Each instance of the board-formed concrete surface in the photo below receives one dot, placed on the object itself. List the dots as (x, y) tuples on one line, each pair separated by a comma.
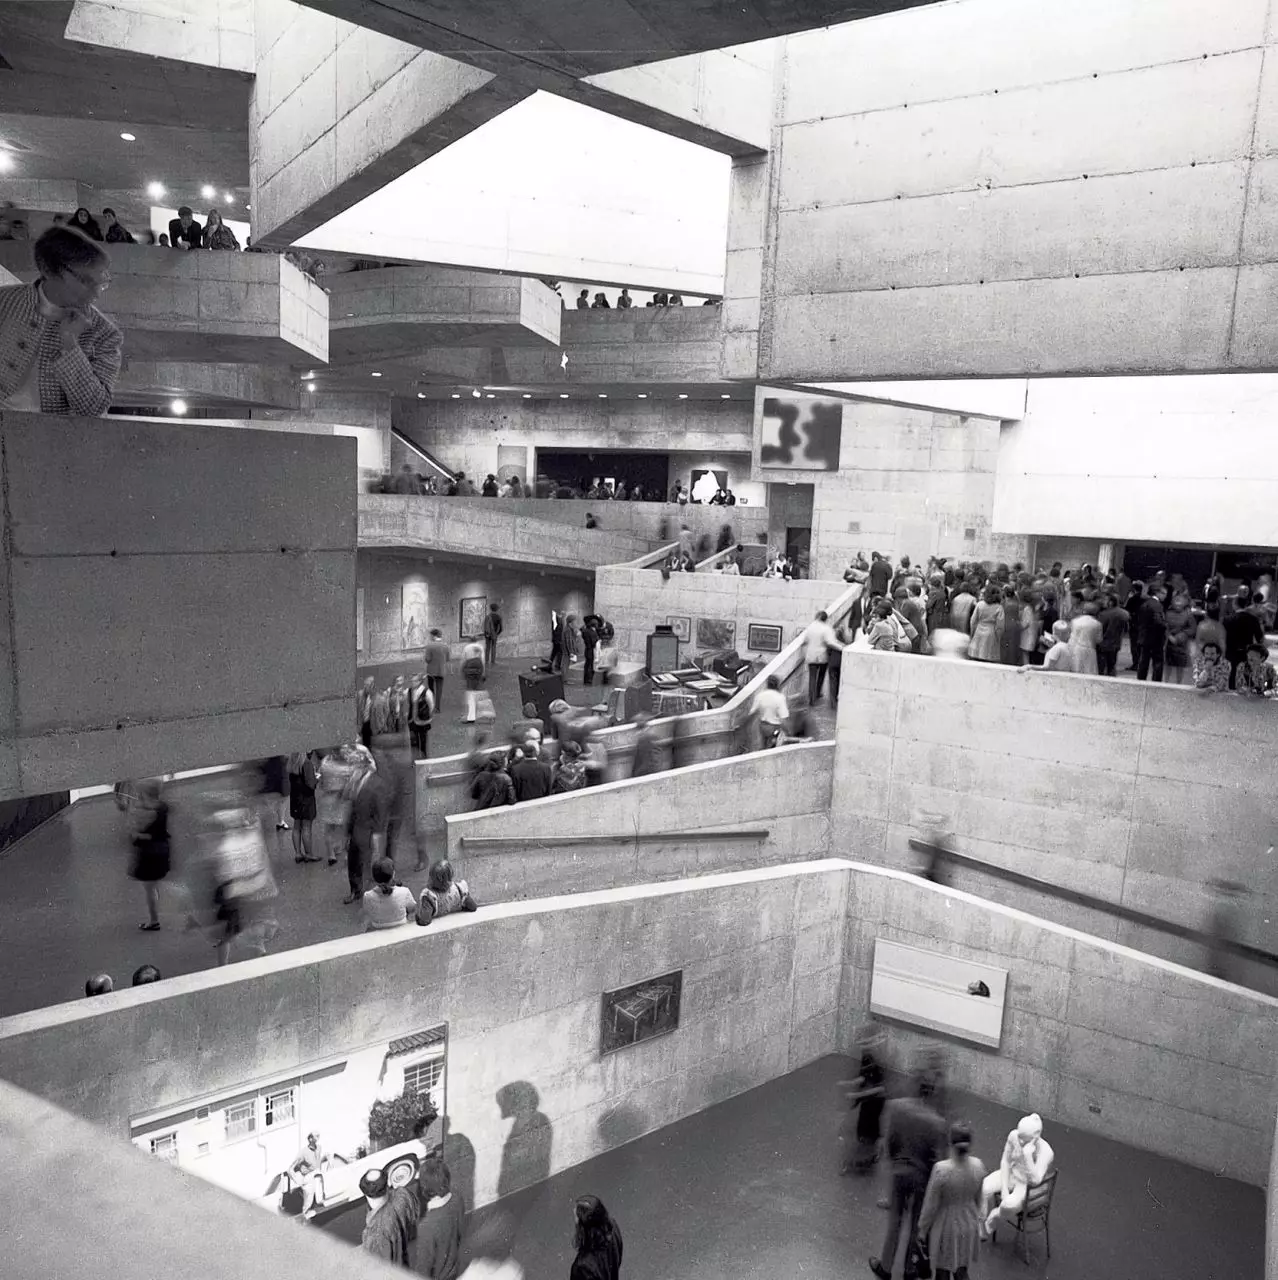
[(1050, 201), (155, 575), (1137, 793)]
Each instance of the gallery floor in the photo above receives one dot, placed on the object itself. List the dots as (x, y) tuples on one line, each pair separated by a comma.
[(749, 1190)]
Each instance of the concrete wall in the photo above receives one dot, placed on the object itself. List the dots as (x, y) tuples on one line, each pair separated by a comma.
[(338, 111), (786, 793), (1050, 201), (526, 597), (636, 600), (1095, 1036), (1136, 793), (1139, 459), (240, 307), (466, 434), (153, 580), (488, 527), (214, 35), (519, 986), (910, 481)]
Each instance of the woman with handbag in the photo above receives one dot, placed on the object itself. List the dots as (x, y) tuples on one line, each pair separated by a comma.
[(950, 1222), (302, 781)]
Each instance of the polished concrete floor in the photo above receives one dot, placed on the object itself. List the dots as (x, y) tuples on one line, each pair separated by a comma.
[(749, 1190), (68, 908)]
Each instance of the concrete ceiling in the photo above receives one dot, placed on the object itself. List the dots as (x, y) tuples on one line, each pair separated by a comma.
[(571, 38), (64, 105)]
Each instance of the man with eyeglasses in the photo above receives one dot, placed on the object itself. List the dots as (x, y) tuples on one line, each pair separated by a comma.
[(58, 353)]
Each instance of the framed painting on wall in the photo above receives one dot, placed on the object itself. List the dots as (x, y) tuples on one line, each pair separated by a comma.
[(682, 627), (716, 633), (798, 431), (470, 621), (412, 615), (763, 637), (639, 1012)]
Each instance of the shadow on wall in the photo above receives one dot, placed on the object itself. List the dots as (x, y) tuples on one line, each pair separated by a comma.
[(459, 1156), (525, 1157), (622, 1124)]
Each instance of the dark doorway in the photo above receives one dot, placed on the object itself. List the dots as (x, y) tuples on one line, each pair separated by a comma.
[(580, 470), (798, 550)]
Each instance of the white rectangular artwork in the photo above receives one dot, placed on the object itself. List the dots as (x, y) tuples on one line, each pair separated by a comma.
[(359, 620), (413, 615), (940, 992)]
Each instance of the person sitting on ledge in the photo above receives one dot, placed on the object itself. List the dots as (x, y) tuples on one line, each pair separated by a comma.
[(99, 985), (387, 905), (145, 974), (443, 895), (1027, 1160), (58, 352)]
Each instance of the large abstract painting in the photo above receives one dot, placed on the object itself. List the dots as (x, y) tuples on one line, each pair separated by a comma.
[(375, 1107), (412, 613), (716, 633), (639, 1012), (798, 432)]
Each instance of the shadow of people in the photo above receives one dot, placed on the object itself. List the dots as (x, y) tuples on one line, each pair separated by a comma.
[(622, 1124), (459, 1156), (525, 1156)]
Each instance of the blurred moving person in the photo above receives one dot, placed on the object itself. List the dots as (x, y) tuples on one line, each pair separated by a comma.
[(473, 674), (949, 1226), (332, 800), (370, 818), (152, 856), (867, 1098), (1224, 925), (770, 712), (240, 871)]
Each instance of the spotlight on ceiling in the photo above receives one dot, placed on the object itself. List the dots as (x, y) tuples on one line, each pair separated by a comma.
[(310, 386), (229, 198), (490, 396), (129, 137), (207, 191), (603, 395), (563, 395), (527, 395), (155, 190), (421, 395), (643, 395), (456, 395), (475, 394), (725, 396), (375, 375), (177, 406), (683, 395)]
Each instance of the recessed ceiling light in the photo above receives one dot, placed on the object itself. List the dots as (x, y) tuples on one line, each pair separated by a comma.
[(421, 395), (563, 395), (155, 190), (683, 395), (725, 397), (177, 406), (229, 198), (207, 192), (527, 395), (129, 137), (247, 205), (310, 386), (643, 395), (603, 395), (475, 393), (456, 395), (490, 396), (375, 375)]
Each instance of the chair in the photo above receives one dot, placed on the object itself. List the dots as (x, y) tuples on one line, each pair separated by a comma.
[(1036, 1209)]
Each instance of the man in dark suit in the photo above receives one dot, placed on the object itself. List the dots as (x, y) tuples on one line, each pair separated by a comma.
[(370, 816), (915, 1142), (184, 231), (532, 776)]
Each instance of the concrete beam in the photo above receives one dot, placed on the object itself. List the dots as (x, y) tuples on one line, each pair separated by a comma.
[(183, 568), (396, 311), (212, 35), (245, 308), (339, 111), (206, 387), (509, 38)]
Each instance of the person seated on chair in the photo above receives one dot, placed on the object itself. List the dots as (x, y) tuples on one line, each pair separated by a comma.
[(308, 1172), (1027, 1160)]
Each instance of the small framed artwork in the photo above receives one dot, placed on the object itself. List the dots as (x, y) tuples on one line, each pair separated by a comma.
[(763, 637), (470, 621), (637, 1013), (682, 627), (716, 633)]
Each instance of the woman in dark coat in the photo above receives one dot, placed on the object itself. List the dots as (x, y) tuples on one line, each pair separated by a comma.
[(598, 1242), (950, 1222), (302, 781), (151, 853)]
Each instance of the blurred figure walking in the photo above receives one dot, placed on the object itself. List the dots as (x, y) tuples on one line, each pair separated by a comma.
[(152, 857), (302, 781), (949, 1226), (332, 800)]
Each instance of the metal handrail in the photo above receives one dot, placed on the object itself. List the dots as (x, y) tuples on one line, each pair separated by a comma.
[(639, 837), (1130, 914)]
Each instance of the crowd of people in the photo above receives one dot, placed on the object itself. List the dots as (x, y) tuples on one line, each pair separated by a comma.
[(939, 1193), (625, 302), (1075, 620)]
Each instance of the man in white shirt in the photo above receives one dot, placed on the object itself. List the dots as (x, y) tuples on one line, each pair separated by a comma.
[(771, 711), (818, 640)]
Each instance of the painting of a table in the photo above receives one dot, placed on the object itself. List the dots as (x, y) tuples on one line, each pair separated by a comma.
[(640, 1012)]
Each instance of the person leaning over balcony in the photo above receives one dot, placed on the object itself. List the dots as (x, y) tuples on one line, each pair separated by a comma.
[(58, 352), (217, 235)]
